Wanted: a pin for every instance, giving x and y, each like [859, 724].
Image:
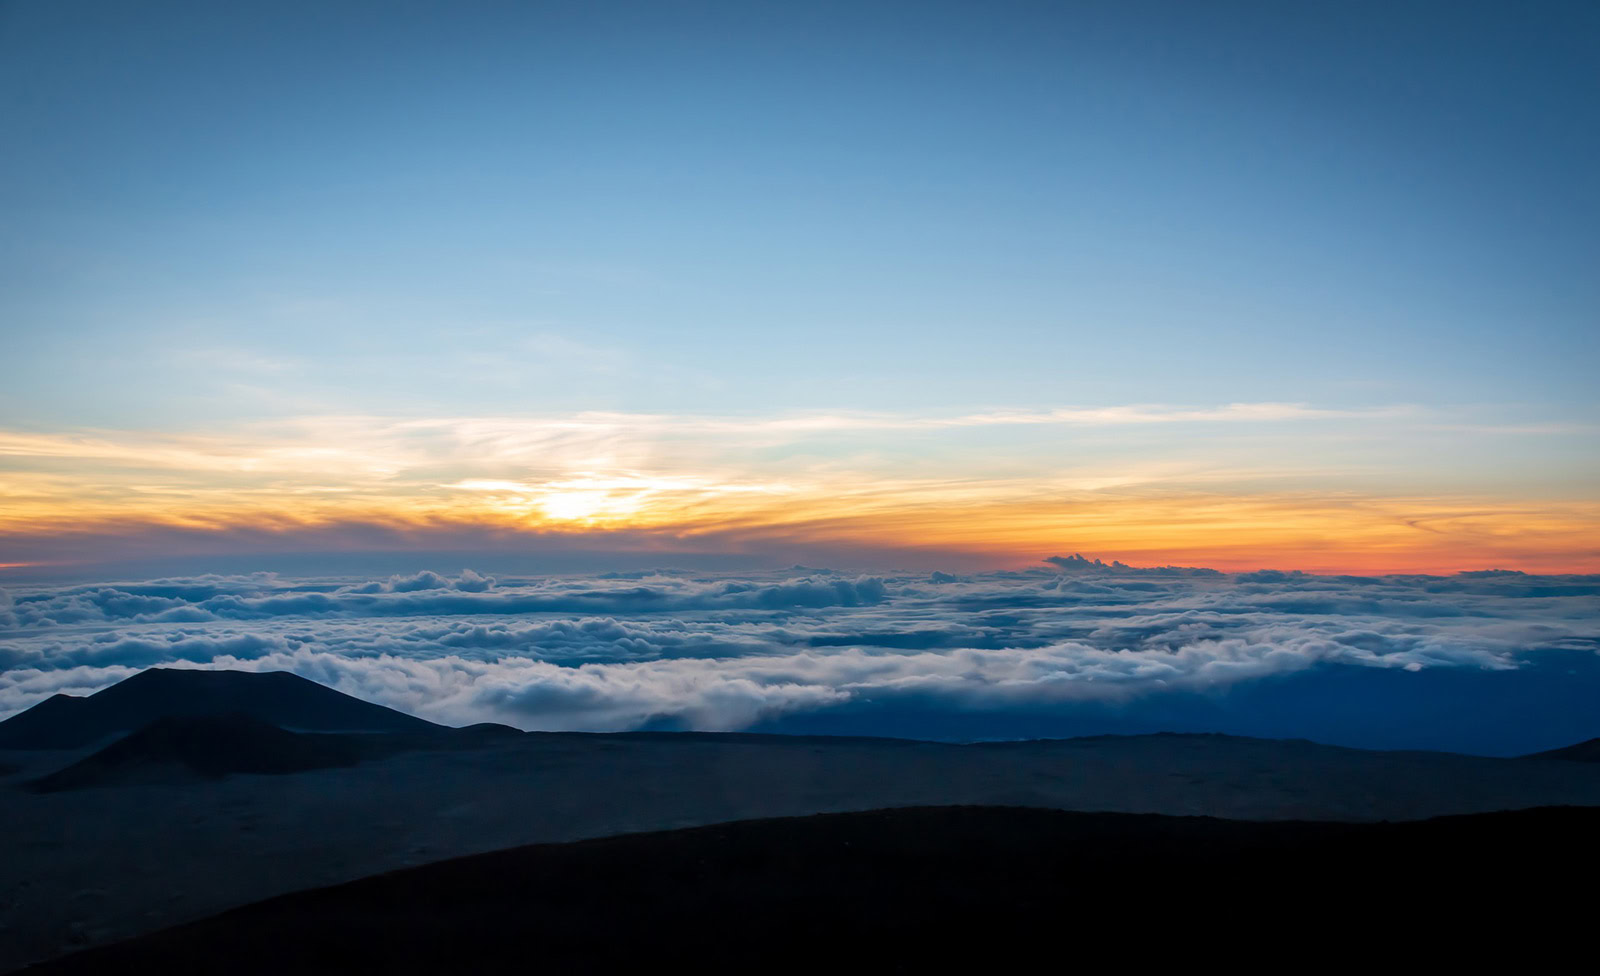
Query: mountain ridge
[278, 698]
[297, 704]
[1585, 751]
[185, 748]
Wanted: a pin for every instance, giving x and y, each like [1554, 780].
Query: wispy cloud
[1272, 484]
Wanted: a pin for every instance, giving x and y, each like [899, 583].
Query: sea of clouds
[674, 649]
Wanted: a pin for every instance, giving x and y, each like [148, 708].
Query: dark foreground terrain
[936, 887]
[136, 809]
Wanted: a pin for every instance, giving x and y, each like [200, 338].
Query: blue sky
[224, 215]
[722, 207]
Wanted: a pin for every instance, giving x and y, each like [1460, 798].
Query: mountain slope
[1578, 752]
[908, 889]
[274, 697]
[209, 747]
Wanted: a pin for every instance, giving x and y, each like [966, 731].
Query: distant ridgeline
[275, 697]
[166, 725]
[169, 725]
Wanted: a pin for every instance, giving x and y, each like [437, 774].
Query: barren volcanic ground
[928, 889]
[88, 866]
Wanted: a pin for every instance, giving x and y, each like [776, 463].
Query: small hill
[207, 747]
[274, 697]
[486, 732]
[1581, 752]
[949, 889]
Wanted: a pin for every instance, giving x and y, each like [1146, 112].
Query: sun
[580, 505]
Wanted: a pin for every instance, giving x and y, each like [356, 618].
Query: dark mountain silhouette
[1580, 752]
[485, 732]
[929, 888]
[210, 747]
[275, 697]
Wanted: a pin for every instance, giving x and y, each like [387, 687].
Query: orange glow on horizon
[1339, 535]
[663, 485]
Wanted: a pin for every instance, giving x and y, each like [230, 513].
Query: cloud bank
[678, 650]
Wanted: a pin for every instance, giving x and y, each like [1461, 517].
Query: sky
[916, 286]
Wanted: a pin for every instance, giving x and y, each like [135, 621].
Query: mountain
[209, 747]
[274, 697]
[1580, 752]
[942, 889]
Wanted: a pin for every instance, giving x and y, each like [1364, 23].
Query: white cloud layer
[627, 650]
